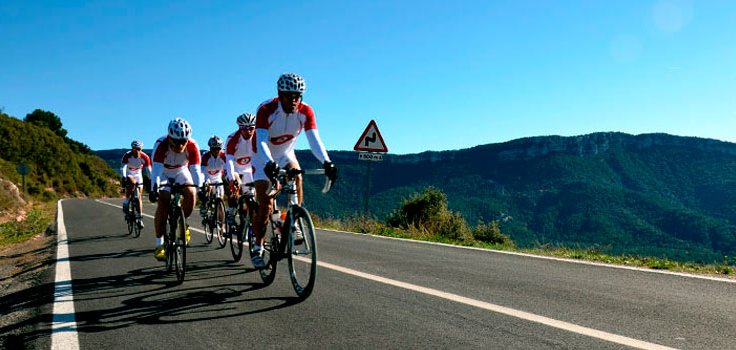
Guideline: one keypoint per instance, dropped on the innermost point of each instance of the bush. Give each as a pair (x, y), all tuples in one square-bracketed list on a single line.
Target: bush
[(490, 233), (427, 214)]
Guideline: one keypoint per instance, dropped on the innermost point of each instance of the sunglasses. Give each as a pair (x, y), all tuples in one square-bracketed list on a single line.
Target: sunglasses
[(215, 149), (136, 149), (290, 95), (247, 127), (179, 142)]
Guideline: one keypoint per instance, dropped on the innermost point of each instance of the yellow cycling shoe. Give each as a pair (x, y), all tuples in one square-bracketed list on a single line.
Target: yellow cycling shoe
[(187, 235), (160, 253)]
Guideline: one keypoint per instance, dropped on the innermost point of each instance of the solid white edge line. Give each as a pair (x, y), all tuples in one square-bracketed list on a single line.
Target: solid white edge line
[(570, 327), (553, 258), (63, 324), (566, 326)]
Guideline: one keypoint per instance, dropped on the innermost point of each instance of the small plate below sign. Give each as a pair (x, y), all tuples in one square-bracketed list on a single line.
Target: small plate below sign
[(376, 157)]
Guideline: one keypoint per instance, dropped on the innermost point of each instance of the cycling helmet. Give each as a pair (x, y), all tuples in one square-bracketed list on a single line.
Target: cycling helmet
[(215, 142), (179, 129), (136, 144), (291, 82), (246, 119)]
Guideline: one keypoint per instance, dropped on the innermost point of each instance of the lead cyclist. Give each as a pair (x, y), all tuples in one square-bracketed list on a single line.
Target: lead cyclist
[(278, 123)]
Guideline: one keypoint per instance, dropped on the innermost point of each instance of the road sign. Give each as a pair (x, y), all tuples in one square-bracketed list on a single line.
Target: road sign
[(371, 140), (23, 169), (376, 157)]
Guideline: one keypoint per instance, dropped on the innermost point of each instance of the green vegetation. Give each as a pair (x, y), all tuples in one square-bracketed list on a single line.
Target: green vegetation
[(37, 221), (59, 166), (425, 216)]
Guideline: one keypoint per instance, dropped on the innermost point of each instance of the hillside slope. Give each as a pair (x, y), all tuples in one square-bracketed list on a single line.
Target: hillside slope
[(56, 169)]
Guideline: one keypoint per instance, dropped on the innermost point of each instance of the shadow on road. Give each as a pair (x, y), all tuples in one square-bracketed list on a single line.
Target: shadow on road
[(142, 296)]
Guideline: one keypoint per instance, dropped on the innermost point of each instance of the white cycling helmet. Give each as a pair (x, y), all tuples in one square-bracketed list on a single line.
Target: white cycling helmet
[(179, 129), (291, 82), (215, 142), (246, 119), (136, 144)]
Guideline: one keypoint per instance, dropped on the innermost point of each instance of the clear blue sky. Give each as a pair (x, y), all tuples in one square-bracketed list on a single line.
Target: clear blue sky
[(435, 75)]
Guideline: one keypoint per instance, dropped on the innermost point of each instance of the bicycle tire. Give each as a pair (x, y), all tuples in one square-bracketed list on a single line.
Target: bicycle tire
[(169, 245), (236, 237), (180, 246), (270, 255), (208, 223), (130, 221), (221, 226), (136, 219), (303, 273)]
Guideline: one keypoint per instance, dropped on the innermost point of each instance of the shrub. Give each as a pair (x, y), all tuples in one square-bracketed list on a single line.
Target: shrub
[(490, 233)]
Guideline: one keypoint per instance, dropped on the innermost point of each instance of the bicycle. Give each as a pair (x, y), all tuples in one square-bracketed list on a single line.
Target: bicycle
[(237, 228), (213, 220), (175, 239), (133, 216), (293, 238)]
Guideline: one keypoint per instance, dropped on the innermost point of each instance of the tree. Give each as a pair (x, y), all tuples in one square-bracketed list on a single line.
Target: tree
[(47, 120)]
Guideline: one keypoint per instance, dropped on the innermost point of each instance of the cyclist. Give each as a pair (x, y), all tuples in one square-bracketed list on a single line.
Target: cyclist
[(175, 156), (239, 154), (213, 163), (131, 170), (278, 122)]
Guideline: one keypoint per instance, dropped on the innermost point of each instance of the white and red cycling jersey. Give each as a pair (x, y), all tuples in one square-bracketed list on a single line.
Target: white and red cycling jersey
[(276, 133), (133, 166), (239, 154), (183, 167), (214, 166)]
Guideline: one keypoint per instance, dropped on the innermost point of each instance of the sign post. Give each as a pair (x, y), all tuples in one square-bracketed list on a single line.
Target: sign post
[(23, 170), (371, 145)]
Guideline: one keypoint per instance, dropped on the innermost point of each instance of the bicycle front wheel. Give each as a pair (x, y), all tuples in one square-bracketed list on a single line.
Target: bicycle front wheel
[(136, 219), (302, 252), (130, 221), (236, 238), (180, 246)]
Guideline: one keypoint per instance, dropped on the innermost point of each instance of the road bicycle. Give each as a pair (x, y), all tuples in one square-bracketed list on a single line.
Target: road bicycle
[(175, 239), (213, 219), (293, 239), (240, 223), (133, 212)]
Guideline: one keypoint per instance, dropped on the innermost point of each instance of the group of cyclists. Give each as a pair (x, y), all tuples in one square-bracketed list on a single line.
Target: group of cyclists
[(263, 144)]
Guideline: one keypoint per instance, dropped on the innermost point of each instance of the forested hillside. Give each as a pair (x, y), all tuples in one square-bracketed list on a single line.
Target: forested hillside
[(654, 194), (59, 166)]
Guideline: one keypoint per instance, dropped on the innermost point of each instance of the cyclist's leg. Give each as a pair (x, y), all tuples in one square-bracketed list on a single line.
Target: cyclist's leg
[(162, 210), (264, 210), (138, 180), (290, 159)]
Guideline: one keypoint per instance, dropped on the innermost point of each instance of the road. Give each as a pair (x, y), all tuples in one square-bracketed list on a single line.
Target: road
[(374, 292)]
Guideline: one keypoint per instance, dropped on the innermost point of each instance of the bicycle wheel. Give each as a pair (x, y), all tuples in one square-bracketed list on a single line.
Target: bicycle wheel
[(221, 225), (270, 255), (208, 223), (180, 246), (130, 221), (136, 219), (302, 246), (236, 238), (169, 244)]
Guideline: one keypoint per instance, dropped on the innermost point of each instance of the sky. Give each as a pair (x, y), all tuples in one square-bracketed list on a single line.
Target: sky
[(434, 75)]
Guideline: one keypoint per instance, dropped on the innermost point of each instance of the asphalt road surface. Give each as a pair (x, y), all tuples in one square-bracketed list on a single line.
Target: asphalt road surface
[(374, 292)]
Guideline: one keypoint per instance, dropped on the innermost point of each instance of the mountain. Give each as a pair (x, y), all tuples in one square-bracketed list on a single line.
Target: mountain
[(651, 194)]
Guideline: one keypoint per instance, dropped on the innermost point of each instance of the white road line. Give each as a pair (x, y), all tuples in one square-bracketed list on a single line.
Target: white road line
[(63, 327), (594, 333), (552, 258), (566, 326)]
